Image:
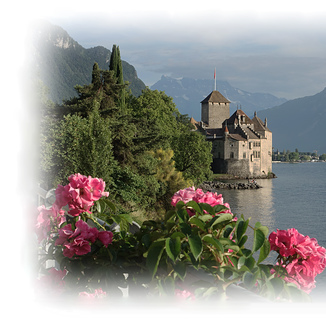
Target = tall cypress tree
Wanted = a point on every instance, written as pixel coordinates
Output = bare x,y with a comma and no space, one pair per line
116,67
113,65
96,77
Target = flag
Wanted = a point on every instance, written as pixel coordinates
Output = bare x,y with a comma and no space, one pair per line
214,73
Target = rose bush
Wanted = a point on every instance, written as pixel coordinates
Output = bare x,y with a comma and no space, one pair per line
98,255
301,256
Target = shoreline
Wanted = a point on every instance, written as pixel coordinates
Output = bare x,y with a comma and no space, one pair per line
214,185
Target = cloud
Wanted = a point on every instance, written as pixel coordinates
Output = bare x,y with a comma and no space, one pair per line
254,46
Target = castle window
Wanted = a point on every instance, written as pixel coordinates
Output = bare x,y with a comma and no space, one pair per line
244,155
256,154
250,145
231,155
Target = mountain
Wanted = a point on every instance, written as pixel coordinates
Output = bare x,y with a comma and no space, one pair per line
299,123
188,93
61,63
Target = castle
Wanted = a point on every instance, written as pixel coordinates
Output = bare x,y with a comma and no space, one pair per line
240,146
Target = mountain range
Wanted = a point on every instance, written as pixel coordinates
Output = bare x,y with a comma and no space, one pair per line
188,93
299,123
61,63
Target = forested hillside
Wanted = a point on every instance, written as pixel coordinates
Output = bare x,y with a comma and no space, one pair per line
142,147
299,123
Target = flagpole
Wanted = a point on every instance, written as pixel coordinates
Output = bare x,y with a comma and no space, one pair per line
215,79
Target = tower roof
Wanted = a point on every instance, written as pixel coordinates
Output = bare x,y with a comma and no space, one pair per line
215,97
234,118
259,125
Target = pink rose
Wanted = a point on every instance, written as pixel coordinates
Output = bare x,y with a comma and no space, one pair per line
105,237
64,234
80,193
97,294
48,220
78,180
53,281
85,231
184,195
212,199
301,274
62,195
78,246
283,241
96,188
184,295
303,257
199,196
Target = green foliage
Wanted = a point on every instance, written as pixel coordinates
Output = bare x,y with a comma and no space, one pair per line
162,257
80,144
192,155
142,147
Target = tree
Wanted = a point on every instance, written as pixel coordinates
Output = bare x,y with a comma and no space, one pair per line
192,155
116,67
294,156
81,145
154,115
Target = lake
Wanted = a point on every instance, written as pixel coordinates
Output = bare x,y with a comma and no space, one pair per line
295,199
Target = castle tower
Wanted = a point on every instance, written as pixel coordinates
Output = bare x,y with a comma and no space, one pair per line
215,108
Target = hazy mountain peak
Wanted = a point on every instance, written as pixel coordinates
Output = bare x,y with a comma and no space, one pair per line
189,92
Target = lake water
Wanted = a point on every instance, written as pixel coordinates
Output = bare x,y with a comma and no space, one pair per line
295,199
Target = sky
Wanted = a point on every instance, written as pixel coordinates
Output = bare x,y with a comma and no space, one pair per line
278,48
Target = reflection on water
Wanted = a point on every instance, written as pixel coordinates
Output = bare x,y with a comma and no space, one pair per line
256,204
295,199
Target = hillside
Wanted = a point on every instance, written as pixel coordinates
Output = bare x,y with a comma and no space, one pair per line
61,63
188,93
299,123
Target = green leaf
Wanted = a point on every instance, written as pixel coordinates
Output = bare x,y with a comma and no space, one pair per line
259,239
180,204
109,203
185,228
98,206
227,232
222,218
241,261
264,229
208,208
196,245
154,255
243,241
198,222
249,279
180,269
205,217
173,247
182,214
264,251
177,235
250,262
241,228
220,208
195,206
126,217
278,285
214,242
